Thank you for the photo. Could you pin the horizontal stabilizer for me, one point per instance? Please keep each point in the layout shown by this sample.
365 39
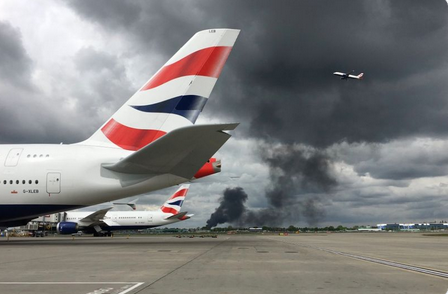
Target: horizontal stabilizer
97 216
180 215
181 152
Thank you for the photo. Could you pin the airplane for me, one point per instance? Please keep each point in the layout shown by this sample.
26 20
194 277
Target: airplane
346 76
150 143
104 221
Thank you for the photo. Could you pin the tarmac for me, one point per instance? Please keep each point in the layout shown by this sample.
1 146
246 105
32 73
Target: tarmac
255 263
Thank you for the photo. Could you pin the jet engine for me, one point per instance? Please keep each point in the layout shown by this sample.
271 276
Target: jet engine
67 228
212 166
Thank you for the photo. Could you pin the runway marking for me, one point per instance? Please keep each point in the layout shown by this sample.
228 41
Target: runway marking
413 268
125 290
132 288
422 270
68 283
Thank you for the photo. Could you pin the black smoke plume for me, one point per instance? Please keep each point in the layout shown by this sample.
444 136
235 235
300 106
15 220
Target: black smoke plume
230 209
299 176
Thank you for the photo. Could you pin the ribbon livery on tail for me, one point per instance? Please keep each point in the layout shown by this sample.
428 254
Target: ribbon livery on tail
174 97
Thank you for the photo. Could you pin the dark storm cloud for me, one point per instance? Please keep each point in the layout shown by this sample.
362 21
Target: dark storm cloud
165 26
281 68
15 63
105 85
112 14
397 160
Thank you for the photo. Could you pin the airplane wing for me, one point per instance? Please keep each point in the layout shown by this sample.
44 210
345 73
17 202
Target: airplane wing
181 152
96 217
341 74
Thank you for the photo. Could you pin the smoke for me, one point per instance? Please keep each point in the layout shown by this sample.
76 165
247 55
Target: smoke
230 209
299 176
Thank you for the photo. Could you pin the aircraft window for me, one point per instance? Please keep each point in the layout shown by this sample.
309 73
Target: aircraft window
48 155
29 155
10 182
37 182
23 182
17 182
34 155
41 155
30 182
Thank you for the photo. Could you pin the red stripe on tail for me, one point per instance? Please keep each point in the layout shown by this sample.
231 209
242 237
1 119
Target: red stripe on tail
169 210
205 62
182 192
129 138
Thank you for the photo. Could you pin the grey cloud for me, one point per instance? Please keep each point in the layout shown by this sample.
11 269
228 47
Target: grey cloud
16 65
112 14
396 160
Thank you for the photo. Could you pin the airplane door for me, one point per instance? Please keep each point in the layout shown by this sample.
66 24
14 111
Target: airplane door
13 157
54 183
149 218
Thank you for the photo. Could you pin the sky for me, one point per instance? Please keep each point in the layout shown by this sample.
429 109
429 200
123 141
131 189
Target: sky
311 149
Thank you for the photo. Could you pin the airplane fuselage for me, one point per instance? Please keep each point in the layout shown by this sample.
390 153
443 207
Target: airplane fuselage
41 179
123 220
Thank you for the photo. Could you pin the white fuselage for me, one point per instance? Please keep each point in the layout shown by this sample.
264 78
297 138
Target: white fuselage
42 179
121 220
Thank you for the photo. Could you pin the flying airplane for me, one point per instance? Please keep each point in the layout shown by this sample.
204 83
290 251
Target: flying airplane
150 143
346 76
104 221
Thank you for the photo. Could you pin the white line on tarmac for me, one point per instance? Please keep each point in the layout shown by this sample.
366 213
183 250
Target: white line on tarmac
135 284
132 288
68 283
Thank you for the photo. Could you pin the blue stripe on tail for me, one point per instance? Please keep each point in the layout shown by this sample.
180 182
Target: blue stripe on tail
188 106
178 203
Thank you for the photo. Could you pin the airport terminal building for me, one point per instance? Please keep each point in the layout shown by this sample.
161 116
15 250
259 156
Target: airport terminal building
412 227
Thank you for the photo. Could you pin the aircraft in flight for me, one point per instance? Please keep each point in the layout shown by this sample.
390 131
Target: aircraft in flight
346 76
150 143
104 221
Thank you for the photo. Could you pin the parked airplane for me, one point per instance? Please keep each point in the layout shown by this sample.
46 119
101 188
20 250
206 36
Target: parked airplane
150 143
346 76
104 221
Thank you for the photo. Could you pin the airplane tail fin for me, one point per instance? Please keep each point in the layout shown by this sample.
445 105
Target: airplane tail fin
360 76
174 204
173 98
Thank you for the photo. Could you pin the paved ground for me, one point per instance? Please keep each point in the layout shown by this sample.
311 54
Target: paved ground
228 264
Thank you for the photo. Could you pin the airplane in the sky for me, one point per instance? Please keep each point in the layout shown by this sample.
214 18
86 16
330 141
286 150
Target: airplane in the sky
150 143
104 221
346 76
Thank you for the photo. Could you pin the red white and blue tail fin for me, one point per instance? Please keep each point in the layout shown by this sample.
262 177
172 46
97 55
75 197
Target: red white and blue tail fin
174 97
174 204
